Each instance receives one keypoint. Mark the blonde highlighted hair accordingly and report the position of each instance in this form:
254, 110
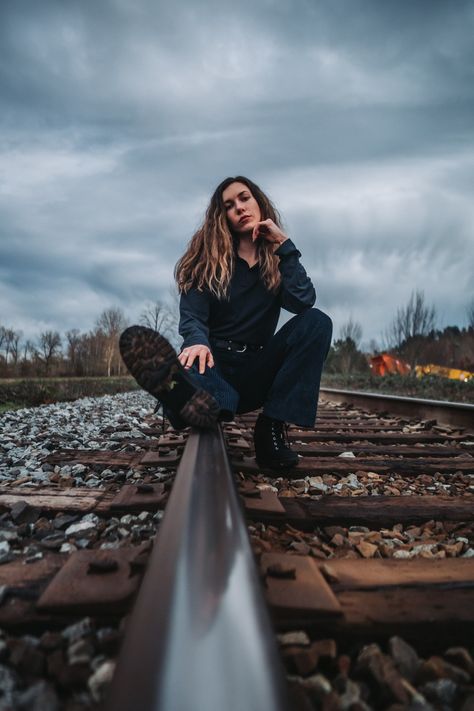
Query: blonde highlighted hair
209, 260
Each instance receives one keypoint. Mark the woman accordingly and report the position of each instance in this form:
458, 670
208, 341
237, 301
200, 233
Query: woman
239, 269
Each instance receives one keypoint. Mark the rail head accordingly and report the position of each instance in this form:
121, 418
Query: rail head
199, 636
456, 414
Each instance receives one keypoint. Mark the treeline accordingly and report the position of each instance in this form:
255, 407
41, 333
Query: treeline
412, 336
75, 354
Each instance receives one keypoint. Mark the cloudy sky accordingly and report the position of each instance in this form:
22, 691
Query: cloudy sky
119, 117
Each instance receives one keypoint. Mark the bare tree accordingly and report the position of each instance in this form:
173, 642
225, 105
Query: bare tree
158, 316
353, 330
111, 323
414, 319
73, 338
409, 329
470, 314
374, 346
49, 347
13, 344
28, 349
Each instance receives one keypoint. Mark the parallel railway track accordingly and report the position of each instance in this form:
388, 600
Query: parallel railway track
372, 536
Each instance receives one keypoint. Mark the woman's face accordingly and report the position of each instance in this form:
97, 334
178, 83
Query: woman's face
242, 210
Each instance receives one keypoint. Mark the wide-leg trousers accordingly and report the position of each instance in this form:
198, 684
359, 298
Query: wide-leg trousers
283, 377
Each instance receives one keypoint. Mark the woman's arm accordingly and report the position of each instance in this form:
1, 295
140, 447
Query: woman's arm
297, 291
194, 328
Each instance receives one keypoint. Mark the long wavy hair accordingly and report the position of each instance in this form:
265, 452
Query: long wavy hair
209, 259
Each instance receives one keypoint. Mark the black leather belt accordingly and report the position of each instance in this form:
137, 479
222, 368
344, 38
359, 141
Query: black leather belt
235, 346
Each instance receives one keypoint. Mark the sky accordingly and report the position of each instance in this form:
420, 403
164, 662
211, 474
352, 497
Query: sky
120, 117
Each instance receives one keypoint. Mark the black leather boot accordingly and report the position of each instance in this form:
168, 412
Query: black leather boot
272, 449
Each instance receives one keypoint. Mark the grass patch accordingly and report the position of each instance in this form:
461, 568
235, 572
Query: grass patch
30, 392
5, 406
430, 387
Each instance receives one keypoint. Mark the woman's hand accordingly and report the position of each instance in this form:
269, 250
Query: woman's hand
269, 231
188, 356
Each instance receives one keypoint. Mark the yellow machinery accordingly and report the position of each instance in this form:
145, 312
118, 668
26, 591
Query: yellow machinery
385, 363
453, 373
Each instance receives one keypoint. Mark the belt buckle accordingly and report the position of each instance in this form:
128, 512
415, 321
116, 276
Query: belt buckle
241, 350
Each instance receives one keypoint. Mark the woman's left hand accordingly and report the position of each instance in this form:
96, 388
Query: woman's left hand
269, 231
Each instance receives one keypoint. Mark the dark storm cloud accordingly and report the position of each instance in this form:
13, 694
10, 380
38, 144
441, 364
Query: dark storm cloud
119, 118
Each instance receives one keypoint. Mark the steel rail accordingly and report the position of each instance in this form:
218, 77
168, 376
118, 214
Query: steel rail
199, 637
457, 414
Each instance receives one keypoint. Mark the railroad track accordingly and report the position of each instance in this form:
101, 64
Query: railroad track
362, 561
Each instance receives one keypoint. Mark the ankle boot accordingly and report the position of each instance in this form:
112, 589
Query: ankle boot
272, 447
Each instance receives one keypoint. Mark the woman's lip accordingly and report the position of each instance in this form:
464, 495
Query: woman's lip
247, 217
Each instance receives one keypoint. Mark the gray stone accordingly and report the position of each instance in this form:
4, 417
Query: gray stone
80, 528
8, 684
349, 695
461, 658
78, 630
67, 548
100, 680
441, 691
8, 535
404, 656
80, 652
318, 686
39, 697
291, 638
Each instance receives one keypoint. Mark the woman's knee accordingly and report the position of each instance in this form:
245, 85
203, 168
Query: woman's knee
318, 321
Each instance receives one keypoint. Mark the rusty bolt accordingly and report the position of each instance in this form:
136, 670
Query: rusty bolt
102, 565
281, 571
145, 489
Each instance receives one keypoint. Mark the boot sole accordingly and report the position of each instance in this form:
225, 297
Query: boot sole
153, 363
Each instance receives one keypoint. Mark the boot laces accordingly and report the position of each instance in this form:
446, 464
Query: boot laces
280, 436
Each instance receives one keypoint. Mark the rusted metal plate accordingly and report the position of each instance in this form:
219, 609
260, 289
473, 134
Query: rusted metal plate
22, 584
294, 586
237, 442
94, 581
263, 501
160, 458
17, 574
141, 497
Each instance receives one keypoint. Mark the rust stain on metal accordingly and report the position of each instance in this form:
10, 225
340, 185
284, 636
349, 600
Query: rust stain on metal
265, 501
142, 497
305, 592
93, 581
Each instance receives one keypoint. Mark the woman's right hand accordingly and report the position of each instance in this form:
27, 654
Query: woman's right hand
188, 356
